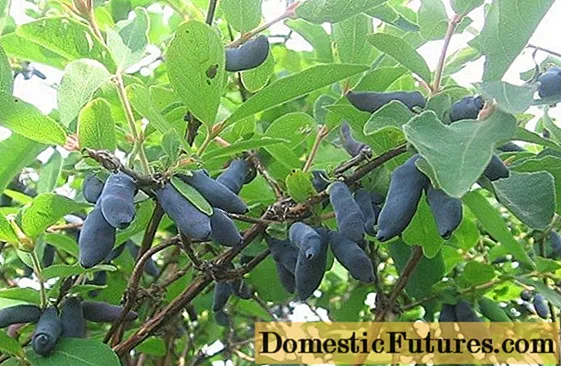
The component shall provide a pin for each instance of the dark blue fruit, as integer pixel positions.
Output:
(96, 239)
(72, 318)
(19, 314)
(550, 83)
(496, 169)
(234, 177)
(92, 187)
(352, 257)
(217, 194)
(222, 318)
(464, 312)
(99, 279)
(377, 198)
(115, 253)
(222, 292)
(352, 146)
(247, 56)
(306, 238)
(47, 332)
(48, 255)
(541, 306)
(406, 186)
(117, 200)
(350, 220)
(309, 272)
(466, 108)
(555, 239)
(320, 181)
(284, 252)
(364, 201)
(446, 210)
(447, 314)
(510, 147)
(101, 312)
(242, 290)
(372, 101)
(526, 295)
(224, 230)
(286, 277)
(189, 220)
(150, 267)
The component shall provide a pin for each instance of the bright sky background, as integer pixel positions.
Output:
(42, 93)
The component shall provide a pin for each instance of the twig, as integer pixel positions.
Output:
(254, 159)
(322, 134)
(132, 286)
(54, 228)
(186, 246)
(364, 154)
(251, 220)
(288, 13)
(544, 50)
(211, 10)
(452, 24)
(111, 163)
(37, 270)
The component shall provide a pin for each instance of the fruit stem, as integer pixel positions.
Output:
(452, 24)
(37, 270)
(322, 134)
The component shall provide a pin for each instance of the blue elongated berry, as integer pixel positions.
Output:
(247, 56)
(286, 277)
(222, 292)
(92, 188)
(352, 257)
(72, 319)
(372, 101)
(496, 169)
(47, 332)
(550, 83)
(306, 238)
(319, 180)
(510, 147)
(364, 201)
(406, 187)
(555, 239)
(224, 230)
(352, 146)
(100, 312)
(466, 108)
(217, 194)
(541, 306)
(284, 252)
(446, 210)
(309, 272)
(235, 175)
(348, 215)
(117, 200)
(189, 220)
(19, 314)
(96, 239)
(150, 267)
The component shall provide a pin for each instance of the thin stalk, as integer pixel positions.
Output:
(452, 23)
(37, 270)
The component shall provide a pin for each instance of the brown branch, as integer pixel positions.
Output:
(224, 260)
(251, 220)
(544, 50)
(254, 159)
(452, 24)
(365, 154)
(211, 10)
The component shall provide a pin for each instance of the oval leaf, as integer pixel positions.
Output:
(192, 195)
(96, 127)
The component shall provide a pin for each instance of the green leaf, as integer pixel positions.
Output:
(293, 127)
(549, 125)
(26, 120)
(7, 233)
(192, 195)
(9, 345)
(299, 185)
(81, 79)
(465, 6)
(241, 146)
(45, 210)
(255, 79)
(195, 61)
(291, 87)
(509, 24)
(458, 163)
(427, 273)
(20, 47)
(523, 134)
(492, 310)
(67, 38)
(242, 15)
(422, 231)
(392, 115)
(129, 41)
(96, 127)
(551, 164)
(63, 242)
(316, 36)
(27, 295)
(50, 173)
(154, 346)
(402, 52)
(265, 280)
(140, 99)
(66, 270)
(494, 224)
(350, 40)
(6, 77)
(535, 210)
(440, 104)
(333, 11)
(476, 273)
(510, 98)
(433, 20)
(16, 151)
(389, 15)
(77, 352)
